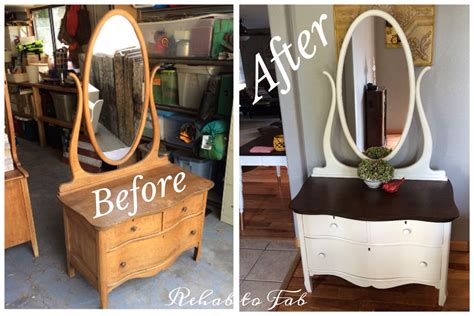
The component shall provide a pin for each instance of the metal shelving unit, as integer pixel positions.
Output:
(195, 61)
(154, 15)
(159, 14)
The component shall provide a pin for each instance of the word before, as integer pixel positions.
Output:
(148, 194)
(303, 42)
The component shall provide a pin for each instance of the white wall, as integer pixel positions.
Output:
(445, 95)
(391, 69)
(363, 53)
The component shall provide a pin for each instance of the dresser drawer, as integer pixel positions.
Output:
(185, 208)
(133, 228)
(417, 232)
(326, 256)
(330, 226)
(152, 253)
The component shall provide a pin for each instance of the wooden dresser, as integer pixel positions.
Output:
(373, 238)
(19, 224)
(112, 249)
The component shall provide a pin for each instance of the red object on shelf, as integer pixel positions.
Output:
(393, 186)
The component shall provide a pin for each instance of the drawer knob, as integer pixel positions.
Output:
(322, 255)
(407, 231)
(333, 225)
(193, 232)
(423, 264)
(184, 209)
(134, 228)
(123, 264)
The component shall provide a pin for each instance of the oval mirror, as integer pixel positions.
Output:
(375, 84)
(116, 87)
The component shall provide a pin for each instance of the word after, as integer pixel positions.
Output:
(305, 51)
(148, 194)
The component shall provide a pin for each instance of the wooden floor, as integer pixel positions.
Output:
(331, 293)
(266, 204)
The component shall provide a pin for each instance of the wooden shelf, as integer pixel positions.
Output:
(29, 116)
(51, 87)
(195, 61)
(57, 122)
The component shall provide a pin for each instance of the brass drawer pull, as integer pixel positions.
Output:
(184, 209)
(134, 228)
(193, 232)
(123, 264)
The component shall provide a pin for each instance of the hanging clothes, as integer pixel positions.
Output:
(75, 30)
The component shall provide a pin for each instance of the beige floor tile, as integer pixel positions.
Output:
(273, 266)
(248, 258)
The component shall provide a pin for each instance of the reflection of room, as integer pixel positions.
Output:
(369, 59)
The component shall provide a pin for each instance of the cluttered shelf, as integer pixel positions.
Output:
(196, 61)
(46, 86)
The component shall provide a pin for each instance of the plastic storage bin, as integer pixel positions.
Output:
(221, 28)
(165, 126)
(190, 37)
(198, 166)
(169, 86)
(192, 82)
(171, 125)
(64, 105)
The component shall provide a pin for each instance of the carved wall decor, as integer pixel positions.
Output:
(416, 20)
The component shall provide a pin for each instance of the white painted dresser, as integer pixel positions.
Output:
(373, 238)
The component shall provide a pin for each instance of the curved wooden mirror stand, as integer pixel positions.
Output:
(147, 221)
(85, 85)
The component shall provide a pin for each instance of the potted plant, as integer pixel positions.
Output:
(377, 152)
(374, 172)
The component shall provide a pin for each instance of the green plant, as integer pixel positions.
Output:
(375, 170)
(377, 152)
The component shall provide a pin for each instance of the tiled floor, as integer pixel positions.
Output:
(265, 266)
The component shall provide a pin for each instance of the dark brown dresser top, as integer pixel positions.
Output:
(430, 201)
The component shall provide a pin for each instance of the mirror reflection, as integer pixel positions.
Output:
(116, 87)
(375, 86)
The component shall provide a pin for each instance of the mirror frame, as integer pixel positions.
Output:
(411, 80)
(85, 86)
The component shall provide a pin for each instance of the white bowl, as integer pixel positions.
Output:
(373, 184)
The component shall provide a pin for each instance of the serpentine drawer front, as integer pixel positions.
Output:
(372, 238)
(185, 208)
(416, 232)
(132, 229)
(374, 262)
(162, 250)
(325, 225)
